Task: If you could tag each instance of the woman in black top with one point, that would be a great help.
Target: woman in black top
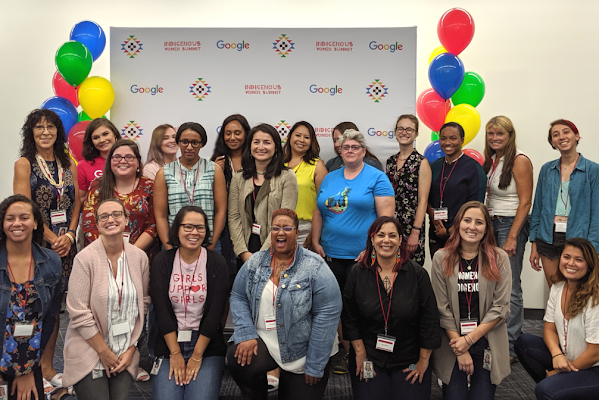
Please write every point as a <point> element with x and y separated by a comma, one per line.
<point>390,316</point>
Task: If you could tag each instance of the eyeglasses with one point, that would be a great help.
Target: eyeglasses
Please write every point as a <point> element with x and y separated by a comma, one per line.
<point>352,148</point>
<point>194,143</point>
<point>114,215</point>
<point>400,129</point>
<point>42,128</point>
<point>285,229</point>
<point>191,227</point>
<point>118,158</point>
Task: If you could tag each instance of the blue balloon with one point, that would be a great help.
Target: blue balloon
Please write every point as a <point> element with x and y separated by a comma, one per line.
<point>91,36</point>
<point>65,110</point>
<point>433,151</point>
<point>446,73</point>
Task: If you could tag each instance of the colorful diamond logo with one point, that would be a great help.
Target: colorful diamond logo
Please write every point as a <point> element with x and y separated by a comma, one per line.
<point>283,128</point>
<point>376,90</point>
<point>131,46</point>
<point>200,89</point>
<point>283,45</point>
<point>131,131</point>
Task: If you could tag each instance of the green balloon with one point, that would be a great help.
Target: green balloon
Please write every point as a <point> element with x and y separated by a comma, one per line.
<point>471,91</point>
<point>84,117</point>
<point>434,136</point>
<point>74,62</point>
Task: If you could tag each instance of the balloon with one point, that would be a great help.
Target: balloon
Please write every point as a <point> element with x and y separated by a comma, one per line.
<point>432,109</point>
<point>84,117</point>
<point>73,61</point>
<point>471,91</point>
<point>75,139</point>
<point>475,155</point>
<point>436,52</point>
<point>434,136</point>
<point>455,30</point>
<point>65,110</point>
<point>445,74</point>
<point>96,96</point>
<point>433,151</point>
<point>468,117</point>
<point>91,36</point>
<point>63,89</point>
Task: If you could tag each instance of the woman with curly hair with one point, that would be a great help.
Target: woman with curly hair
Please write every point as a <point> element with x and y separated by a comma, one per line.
<point>565,361</point>
<point>46,175</point>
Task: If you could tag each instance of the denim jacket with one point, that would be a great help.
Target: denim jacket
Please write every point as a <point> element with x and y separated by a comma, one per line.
<point>583,196</point>
<point>46,278</point>
<point>308,307</point>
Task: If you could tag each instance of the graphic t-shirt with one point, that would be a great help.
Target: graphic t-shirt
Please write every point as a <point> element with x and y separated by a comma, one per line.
<point>348,209</point>
<point>87,171</point>
<point>188,291</point>
<point>468,288</point>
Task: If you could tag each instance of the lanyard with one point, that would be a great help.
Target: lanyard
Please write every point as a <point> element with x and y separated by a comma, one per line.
<point>378,285</point>
<point>561,192</point>
<point>120,292</point>
<point>12,276</point>
<point>57,186</point>
<point>195,181</point>
<point>469,298</point>
<point>186,299</point>
<point>441,185</point>
<point>565,324</point>
<point>492,174</point>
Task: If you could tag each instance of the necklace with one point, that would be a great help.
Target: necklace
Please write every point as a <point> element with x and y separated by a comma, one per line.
<point>469,264</point>
<point>44,167</point>
<point>260,173</point>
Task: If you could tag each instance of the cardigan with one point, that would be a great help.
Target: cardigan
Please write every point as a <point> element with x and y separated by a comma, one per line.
<point>494,302</point>
<point>275,193</point>
<point>87,304</point>
<point>165,321</point>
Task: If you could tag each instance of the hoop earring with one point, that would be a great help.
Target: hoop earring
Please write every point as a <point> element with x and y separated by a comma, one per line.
<point>372,257</point>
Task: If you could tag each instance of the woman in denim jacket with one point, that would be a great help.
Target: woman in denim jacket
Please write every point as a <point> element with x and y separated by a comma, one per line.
<point>286,307</point>
<point>29,285</point>
<point>566,204</point>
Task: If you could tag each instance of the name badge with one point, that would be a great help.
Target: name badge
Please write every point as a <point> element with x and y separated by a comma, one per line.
<point>126,236</point>
<point>487,359</point>
<point>386,343</point>
<point>491,213</point>
<point>120,329</point>
<point>256,229</point>
<point>467,325</point>
<point>58,217</point>
<point>368,370</point>
<point>96,373</point>
<point>184,336</point>
<point>271,322</point>
<point>441,213</point>
<point>561,227</point>
<point>156,366</point>
<point>23,330</point>
<point>4,388</point>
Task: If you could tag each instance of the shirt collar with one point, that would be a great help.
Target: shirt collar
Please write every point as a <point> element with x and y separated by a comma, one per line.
<point>455,159</point>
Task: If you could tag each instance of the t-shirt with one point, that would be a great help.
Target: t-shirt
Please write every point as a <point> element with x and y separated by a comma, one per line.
<point>348,209</point>
<point>151,169</point>
<point>468,288</point>
<point>87,171</point>
<point>188,287</point>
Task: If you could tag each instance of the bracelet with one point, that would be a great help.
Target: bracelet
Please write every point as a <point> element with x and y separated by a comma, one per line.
<point>558,354</point>
<point>74,231</point>
<point>470,337</point>
<point>418,228</point>
<point>466,340</point>
<point>70,238</point>
<point>176,352</point>
<point>200,360</point>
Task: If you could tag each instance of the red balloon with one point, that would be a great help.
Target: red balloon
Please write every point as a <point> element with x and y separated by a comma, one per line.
<point>63,89</point>
<point>455,30</point>
<point>75,137</point>
<point>475,155</point>
<point>432,109</point>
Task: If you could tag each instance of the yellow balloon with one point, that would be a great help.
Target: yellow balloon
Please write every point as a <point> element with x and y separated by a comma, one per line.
<point>96,96</point>
<point>468,117</point>
<point>436,52</point>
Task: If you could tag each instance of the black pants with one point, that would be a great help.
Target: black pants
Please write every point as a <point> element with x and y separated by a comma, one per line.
<point>39,384</point>
<point>251,378</point>
<point>104,388</point>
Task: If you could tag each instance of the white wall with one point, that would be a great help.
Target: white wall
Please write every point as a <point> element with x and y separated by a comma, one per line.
<point>537,58</point>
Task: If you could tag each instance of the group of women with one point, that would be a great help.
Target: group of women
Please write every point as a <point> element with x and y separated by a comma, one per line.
<point>245,220</point>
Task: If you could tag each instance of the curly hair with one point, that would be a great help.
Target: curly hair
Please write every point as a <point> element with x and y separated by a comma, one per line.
<point>38,233</point>
<point>28,146</point>
<point>88,150</point>
<point>312,153</point>
<point>376,226</point>
<point>221,148</point>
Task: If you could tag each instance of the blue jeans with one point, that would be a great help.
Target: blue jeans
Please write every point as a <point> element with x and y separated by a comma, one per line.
<point>205,387</point>
<point>536,358</point>
<point>481,387</point>
<point>502,226</point>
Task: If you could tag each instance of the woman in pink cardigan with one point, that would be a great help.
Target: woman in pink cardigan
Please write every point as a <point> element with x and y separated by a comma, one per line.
<point>108,294</point>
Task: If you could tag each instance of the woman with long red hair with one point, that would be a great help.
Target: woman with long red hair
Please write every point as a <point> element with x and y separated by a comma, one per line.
<point>473,317</point>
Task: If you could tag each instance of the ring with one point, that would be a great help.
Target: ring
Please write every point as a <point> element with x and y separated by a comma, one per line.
<point>416,374</point>
<point>111,368</point>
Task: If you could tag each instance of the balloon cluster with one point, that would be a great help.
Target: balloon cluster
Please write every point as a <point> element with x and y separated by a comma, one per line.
<point>74,87</point>
<point>451,84</point>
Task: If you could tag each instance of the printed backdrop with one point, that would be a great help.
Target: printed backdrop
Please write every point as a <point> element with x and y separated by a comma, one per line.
<point>277,76</point>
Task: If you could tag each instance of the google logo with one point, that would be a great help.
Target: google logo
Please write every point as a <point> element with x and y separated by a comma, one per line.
<point>235,46</point>
<point>152,90</point>
<point>331,90</point>
<point>374,132</point>
<point>391,47</point>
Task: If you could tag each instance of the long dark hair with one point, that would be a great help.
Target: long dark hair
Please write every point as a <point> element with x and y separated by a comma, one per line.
<point>173,232</point>
<point>88,150</point>
<point>502,122</point>
<point>221,148</point>
<point>313,152</point>
<point>28,148</point>
<point>372,231</point>
<point>275,166</point>
<point>38,233</point>
<point>108,181</point>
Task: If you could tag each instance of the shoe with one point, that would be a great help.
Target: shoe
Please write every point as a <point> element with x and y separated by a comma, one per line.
<point>56,381</point>
<point>142,375</point>
<point>273,383</point>
<point>342,367</point>
<point>513,359</point>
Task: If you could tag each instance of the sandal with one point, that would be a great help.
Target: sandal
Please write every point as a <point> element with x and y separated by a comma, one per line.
<point>142,375</point>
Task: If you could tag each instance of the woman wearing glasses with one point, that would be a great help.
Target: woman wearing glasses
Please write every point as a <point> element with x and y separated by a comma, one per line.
<point>108,294</point>
<point>190,181</point>
<point>410,175</point>
<point>189,286</point>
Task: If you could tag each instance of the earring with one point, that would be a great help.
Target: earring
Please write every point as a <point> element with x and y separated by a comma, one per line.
<point>251,156</point>
<point>398,257</point>
<point>137,169</point>
<point>372,257</point>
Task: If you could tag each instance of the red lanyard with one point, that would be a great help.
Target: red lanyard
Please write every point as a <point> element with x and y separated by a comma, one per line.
<point>378,285</point>
<point>441,185</point>
<point>195,181</point>
<point>565,325</point>
<point>12,276</point>
<point>186,299</point>
<point>492,174</point>
<point>469,298</point>
<point>561,192</point>
<point>120,292</point>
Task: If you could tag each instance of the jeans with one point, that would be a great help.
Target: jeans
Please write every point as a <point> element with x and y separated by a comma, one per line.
<point>536,358</point>
<point>104,388</point>
<point>481,387</point>
<point>206,386</point>
<point>502,226</point>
